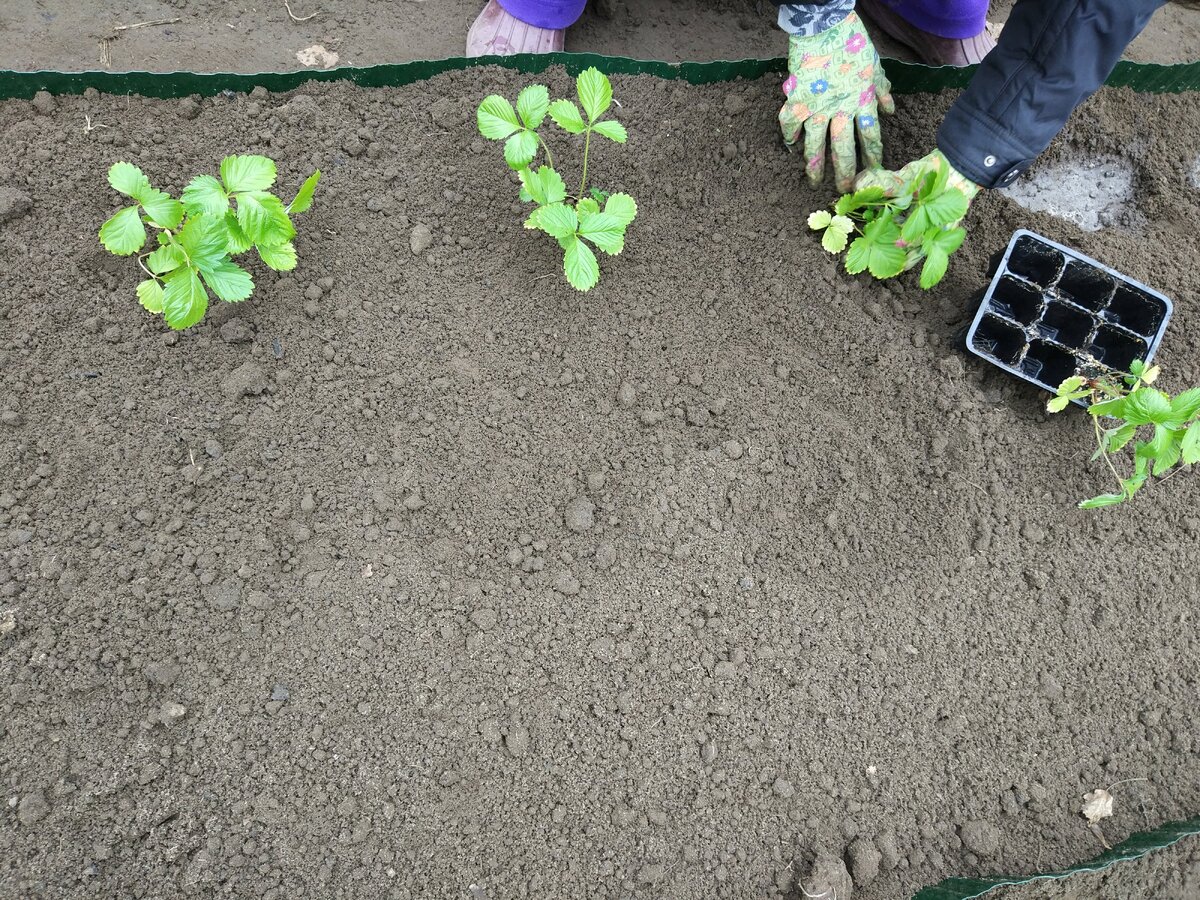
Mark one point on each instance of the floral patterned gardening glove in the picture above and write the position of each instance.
(836, 87)
(902, 180)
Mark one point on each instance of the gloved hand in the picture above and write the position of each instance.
(836, 85)
(896, 182)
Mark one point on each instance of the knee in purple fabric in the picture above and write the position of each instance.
(556, 14)
(945, 18)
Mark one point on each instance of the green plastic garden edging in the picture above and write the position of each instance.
(907, 78)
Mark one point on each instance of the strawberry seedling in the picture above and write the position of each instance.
(212, 221)
(575, 220)
(1131, 407)
(894, 233)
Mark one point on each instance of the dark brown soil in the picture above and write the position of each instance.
(244, 36)
(334, 639)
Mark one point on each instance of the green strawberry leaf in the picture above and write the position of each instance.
(934, 268)
(229, 281)
(819, 219)
(281, 257)
(304, 197)
(124, 233)
(566, 116)
(557, 220)
(1103, 500)
(622, 207)
(204, 195)
(834, 240)
(1186, 404)
(1146, 405)
(247, 173)
(128, 179)
(165, 259)
(203, 240)
(579, 264)
(595, 92)
(612, 129)
(162, 209)
(1057, 404)
(235, 239)
(1118, 438)
(532, 104)
(184, 299)
(605, 231)
(263, 218)
(545, 186)
(150, 295)
(520, 149)
(586, 207)
(496, 118)
(1190, 445)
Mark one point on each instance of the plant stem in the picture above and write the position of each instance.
(143, 267)
(1104, 452)
(546, 147)
(587, 145)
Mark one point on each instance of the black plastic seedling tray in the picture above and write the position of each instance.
(1051, 312)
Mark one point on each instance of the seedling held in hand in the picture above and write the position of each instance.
(1133, 408)
(575, 220)
(895, 233)
(198, 234)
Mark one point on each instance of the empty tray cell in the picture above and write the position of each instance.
(1017, 300)
(1066, 324)
(1086, 285)
(999, 339)
(1117, 349)
(1048, 363)
(1136, 310)
(1035, 261)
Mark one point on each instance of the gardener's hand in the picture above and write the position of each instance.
(837, 86)
(900, 181)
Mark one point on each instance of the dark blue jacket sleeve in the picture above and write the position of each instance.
(1051, 56)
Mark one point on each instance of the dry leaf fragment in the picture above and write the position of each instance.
(1097, 805)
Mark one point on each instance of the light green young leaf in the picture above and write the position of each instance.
(622, 207)
(1102, 500)
(849, 203)
(229, 281)
(605, 231)
(263, 218)
(124, 233)
(566, 116)
(1057, 404)
(247, 173)
(595, 92)
(129, 180)
(876, 250)
(819, 219)
(834, 240)
(557, 220)
(496, 118)
(184, 299)
(203, 240)
(586, 207)
(1147, 405)
(304, 197)
(165, 259)
(532, 104)
(934, 268)
(235, 240)
(1190, 445)
(1186, 404)
(281, 258)
(545, 186)
(612, 129)
(520, 149)
(150, 295)
(1070, 385)
(162, 209)
(579, 264)
(204, 196)
(1114, 407)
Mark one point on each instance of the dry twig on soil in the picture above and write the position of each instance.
(294, 17)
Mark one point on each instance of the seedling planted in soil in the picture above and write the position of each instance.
(199, 233)
(1130, 403)
(574, 220)
(895, 233)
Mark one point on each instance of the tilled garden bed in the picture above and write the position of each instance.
(422, 575)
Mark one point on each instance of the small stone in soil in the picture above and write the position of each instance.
(13, 204)
(980, 837)
(246, 380)
(516, 742)
(32, 809)
(420, 240)
(279, 693)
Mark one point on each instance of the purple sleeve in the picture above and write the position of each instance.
(556, 14)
